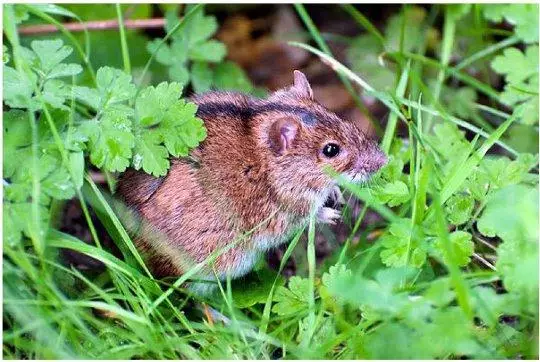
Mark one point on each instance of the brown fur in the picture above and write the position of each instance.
(236, 182)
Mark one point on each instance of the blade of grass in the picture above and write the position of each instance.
(341, 69)
(454, 181)
(103, 204)
(449, 29)
(392, 119)
(461, 288)
(311, 319)
(267, 306)
(487, 51)
(123, 41)
(324, 47)
(458, 122)
(364, 22)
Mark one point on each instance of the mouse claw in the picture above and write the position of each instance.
(328, 215)
(336, 196)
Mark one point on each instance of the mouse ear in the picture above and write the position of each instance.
(281, 135)
(301, 85)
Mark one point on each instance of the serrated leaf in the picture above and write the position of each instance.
(201, 77)
(525, 18)
(199, 28)
(55, 93)
(393, 193)
(414, 33)
(163, 53)
(512, 214)
(229, 76)
(403, 245)
(50, 54)
(293, 299)
(211, 51)
(459, 208)
(460, 101)
(87, 95)
(150, 155)
(58, 184)
(153, 105)
(20, 220)
(18, 88)
(110, 141)
(462, 248)
(179, 73)
(64, 70)
(517, 66)
(114, 86)
(254, 288)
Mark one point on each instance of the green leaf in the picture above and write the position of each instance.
(512, 214)
(254, 288)
(462, 248)
(459, 208)
(378, 295)
(5, 54)
(50, 54)
(18, 88)
(114, 86)
(76, 163)
(110, 140)
(393, 193)
(184, 131)
(17, 134)
(18, 221)
(229, 76)
(199, 28)
(55, 93)
(525, 18)
(517, 66)
(150, 155)
(363, 54)
(154, 105)
(521, 74)
(294, 299)
(179, 73)
(402, 241)
(210, 51)
(414, 34)
(201, 77)
(457, 11)
(460, 102)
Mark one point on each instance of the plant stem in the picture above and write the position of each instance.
(40, 29)
(123, 41)
(324, 47)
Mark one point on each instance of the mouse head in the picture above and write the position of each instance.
(304, 138)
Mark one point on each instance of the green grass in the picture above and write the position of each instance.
(406, 286)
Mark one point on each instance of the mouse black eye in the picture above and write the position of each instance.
(330, 150)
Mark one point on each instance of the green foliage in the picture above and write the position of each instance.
(448, 269)
(192, 56)
(521, 75)
(523, 16)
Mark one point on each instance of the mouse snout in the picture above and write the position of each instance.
(371, 161)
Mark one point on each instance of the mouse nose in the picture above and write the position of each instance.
(371, 161)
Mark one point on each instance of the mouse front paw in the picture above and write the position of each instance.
(328, 215)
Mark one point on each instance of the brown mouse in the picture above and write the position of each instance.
(252, 182)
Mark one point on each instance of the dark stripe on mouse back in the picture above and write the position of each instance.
(233, 110)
